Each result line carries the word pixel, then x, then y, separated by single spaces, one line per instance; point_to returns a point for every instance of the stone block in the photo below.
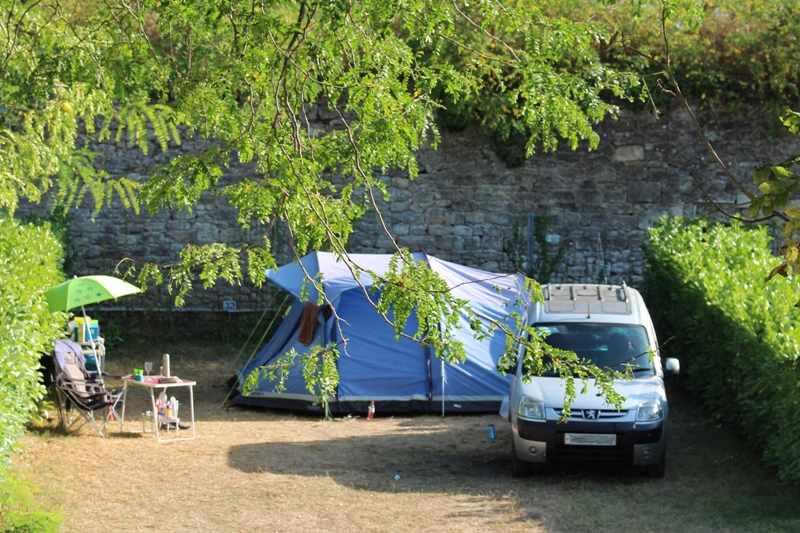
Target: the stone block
pixel 629 152
pixel 622 222
pixel 471 243
pixel 462 231
pixel 449 242
pixel 490 266
pixel 454 218
pixel 644 192
pixel 399 229
pixel 401 195
pixel 420 242
pixel 153 225
pixel 408 217
pixel 418 230
pixel 501 219
pixel 207 235
pixel 434 216
pixel 400 183
pixel 474 218
pixel 152 238
pixel 397 207
pixel 483 229
pixel 384 243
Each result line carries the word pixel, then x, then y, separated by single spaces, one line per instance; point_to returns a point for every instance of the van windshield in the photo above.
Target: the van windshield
pixel 614 346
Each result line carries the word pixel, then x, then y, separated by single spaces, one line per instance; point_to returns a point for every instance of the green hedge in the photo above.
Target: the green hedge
pixel 29 264
pixel 737 337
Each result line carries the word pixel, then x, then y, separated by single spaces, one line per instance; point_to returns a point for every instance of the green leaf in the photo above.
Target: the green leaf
pixel 762 174
pixel 755 207
pixel 783 173
pixel 792 121
pixel 792 211
pixel 768 207
pixel 772 187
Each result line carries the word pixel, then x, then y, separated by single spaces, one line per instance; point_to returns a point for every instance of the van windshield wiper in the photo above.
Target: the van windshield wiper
pixel 623 368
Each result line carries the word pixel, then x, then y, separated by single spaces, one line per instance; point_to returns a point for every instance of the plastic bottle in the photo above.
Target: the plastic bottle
pixel 162 404
pixel 371 410
pixel 173 407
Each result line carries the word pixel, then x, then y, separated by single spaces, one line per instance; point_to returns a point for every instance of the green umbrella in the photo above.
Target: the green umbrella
pixel 87 290
pixel 84 291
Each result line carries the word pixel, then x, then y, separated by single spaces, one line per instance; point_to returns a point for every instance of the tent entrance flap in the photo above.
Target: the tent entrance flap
pixel 376 364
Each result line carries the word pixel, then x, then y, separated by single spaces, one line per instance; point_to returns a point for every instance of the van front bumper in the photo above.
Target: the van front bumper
pixel 637 443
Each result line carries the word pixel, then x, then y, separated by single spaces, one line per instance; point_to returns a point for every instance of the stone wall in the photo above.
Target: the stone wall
pixel 465 205
pixel 469 207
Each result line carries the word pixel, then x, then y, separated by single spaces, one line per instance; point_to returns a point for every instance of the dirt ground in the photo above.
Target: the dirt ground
pixel 257 470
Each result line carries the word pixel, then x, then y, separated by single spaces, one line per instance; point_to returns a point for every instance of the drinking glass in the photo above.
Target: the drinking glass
pixel 148 366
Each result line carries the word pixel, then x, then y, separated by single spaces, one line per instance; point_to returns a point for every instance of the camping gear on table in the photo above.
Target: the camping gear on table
pixel 400 375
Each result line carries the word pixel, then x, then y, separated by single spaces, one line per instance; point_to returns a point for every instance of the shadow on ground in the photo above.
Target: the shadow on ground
pixel 714 482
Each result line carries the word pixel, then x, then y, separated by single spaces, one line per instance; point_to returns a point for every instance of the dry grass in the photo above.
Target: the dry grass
pixel 251 470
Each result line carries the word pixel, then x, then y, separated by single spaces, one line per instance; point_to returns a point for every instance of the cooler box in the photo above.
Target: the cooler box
pixel 83 333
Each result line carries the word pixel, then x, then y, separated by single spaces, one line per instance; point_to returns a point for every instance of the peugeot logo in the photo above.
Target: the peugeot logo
pixel 590 414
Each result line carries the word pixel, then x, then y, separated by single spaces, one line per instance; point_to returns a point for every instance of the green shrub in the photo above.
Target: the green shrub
pixel 29 264
pixel 19 512
pixel 736 336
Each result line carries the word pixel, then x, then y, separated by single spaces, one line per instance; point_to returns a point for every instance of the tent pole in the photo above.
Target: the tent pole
pixel 443 382
pixel 255 349
pixel 86 327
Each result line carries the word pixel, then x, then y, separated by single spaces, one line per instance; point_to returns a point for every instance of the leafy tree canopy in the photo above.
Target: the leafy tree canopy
pixel 242 73
pixel 731 53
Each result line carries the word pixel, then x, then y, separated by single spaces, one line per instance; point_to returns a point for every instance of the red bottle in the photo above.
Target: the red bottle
pixel 371 410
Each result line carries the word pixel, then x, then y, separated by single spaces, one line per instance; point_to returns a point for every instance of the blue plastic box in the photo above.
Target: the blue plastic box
pixel 91 332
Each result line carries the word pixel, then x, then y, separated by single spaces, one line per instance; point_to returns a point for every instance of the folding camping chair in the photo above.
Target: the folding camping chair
pixel 76 389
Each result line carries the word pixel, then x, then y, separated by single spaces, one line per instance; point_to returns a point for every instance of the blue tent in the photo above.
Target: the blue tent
pixel 399 375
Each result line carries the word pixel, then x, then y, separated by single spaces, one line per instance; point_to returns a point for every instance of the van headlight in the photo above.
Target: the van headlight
pixel 530 407
pixel 649 411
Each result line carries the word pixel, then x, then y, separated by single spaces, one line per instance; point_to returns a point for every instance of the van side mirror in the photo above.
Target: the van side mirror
pixel 507 366
pixel 672 367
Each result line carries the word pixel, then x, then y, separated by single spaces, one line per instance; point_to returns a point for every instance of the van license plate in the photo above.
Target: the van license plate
pixel 590 439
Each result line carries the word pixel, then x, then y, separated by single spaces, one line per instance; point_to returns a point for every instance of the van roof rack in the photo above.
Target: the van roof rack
pixel 587 298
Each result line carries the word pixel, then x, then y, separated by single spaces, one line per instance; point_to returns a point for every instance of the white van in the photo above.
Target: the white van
pixel 608 325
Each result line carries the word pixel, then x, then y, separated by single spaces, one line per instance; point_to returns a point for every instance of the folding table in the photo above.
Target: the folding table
pixel 151 383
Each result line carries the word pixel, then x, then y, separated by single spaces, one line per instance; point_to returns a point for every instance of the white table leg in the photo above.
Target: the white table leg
pixel 155 414
pixel 191 405
pixel 124 403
